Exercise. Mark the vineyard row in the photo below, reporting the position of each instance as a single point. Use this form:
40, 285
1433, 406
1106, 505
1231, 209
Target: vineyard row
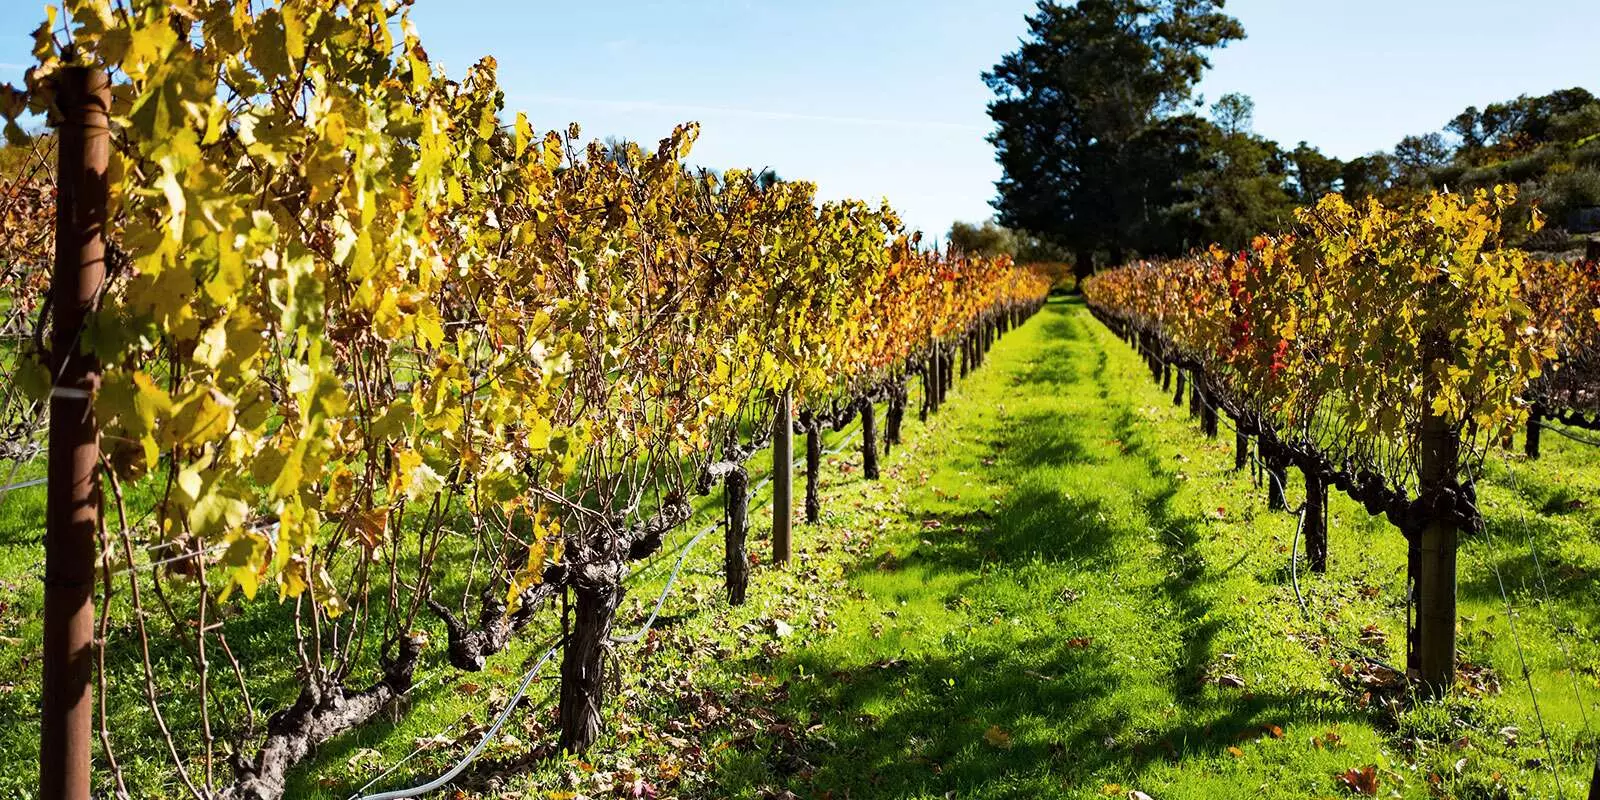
1383, 351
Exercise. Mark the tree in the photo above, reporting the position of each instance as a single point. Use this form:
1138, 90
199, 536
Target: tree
987, 239
1239, 187
1366, 176
1234, 113
1315, 174
1071, 106
1416, 156
1469, 126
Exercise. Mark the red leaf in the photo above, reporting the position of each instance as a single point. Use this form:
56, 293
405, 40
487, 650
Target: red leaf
1361, 780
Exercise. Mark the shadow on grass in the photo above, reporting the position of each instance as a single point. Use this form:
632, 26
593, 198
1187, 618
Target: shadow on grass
967, 720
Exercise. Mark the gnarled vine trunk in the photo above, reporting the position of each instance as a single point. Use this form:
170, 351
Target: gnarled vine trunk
869, 441
321, 712
1277, 475
1530, 443
1316, 521
583, 695
895, 415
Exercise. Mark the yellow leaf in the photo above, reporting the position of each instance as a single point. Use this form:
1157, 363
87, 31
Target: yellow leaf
205, 416
997, 737
522, 134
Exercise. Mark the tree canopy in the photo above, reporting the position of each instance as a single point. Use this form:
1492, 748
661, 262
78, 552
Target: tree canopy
1090, 130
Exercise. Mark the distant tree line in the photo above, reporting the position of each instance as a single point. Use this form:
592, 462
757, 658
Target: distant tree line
1107, 154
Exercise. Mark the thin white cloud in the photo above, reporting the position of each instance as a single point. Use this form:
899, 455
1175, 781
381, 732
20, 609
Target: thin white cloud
752, 113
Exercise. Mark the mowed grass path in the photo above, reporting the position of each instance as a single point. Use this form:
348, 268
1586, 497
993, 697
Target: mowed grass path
1081, 599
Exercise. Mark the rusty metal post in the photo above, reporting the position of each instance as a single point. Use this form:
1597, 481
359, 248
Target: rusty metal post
72, 515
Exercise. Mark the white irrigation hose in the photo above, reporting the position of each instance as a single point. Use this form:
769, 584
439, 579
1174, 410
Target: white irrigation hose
671, 579
1294, 562
4, 490
472, 755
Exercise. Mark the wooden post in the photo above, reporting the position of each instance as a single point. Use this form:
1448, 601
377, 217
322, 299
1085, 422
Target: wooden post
1530, 442
1241, 446
1435, 570
813, 428
1177, 396
1594, 781
926, 373
949, 373
72, 515
782, 480
735, 530
1431, 560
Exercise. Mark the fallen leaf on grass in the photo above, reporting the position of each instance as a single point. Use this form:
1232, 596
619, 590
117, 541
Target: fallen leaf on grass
1372, 636
996, 737
1361, 780
433, 742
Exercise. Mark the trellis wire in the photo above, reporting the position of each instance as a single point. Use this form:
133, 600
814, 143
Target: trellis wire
1573, 436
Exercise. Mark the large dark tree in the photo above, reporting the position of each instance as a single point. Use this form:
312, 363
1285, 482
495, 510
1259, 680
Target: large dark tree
1080, 107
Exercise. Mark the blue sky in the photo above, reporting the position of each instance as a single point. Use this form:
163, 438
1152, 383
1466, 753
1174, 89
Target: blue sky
882, 98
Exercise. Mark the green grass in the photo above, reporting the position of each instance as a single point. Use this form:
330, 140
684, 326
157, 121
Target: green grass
1055, 591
